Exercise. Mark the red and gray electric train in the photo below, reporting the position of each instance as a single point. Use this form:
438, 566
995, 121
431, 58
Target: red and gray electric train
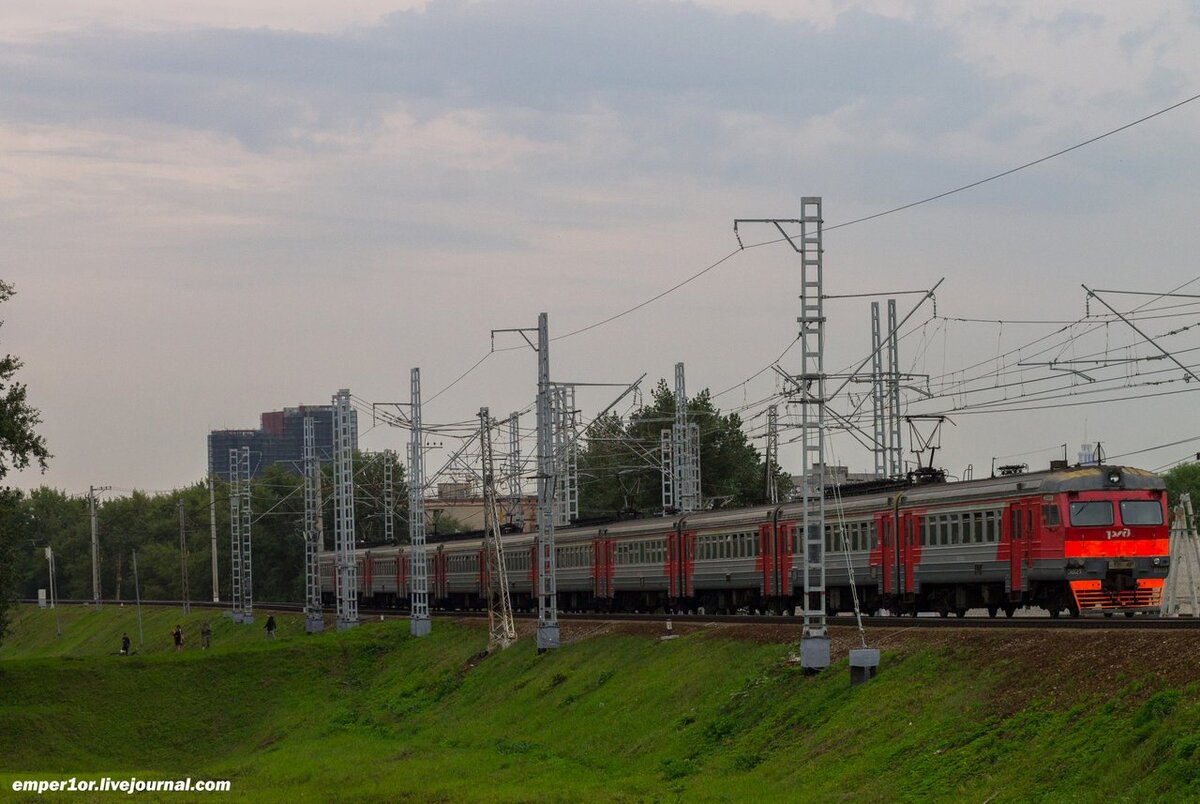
1091, 538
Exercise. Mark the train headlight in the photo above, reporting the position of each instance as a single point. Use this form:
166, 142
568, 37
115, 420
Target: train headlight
1114, 477
1074, 563
1162, 561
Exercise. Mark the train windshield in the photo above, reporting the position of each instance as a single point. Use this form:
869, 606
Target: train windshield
1098, 512
1141, 512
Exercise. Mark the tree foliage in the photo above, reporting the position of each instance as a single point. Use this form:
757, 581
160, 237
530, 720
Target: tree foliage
1184, 478
20, 445
619, 464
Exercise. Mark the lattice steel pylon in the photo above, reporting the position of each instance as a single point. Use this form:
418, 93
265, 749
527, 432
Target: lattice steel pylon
343, 503
389, 501
247, 515
680, 447
419, 623
771, 459
513, 514
314, 617
502, 631
547, 484
185, 592
547, 574
878, 398
814, 644
235, 537
1182, 587
566, 455
895, 451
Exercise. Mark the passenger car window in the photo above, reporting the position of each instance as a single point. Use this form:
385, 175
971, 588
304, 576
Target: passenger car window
1141, 512
1085, 514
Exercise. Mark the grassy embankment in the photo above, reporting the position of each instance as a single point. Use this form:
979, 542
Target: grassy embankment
374, 714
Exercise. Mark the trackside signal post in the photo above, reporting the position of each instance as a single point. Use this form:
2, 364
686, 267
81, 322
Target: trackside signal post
547, 587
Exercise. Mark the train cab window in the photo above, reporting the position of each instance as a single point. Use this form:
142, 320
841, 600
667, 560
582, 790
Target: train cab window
1141, 512
1050, 517
1091, 513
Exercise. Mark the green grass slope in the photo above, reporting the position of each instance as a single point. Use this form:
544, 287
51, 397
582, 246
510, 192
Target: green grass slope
373, 714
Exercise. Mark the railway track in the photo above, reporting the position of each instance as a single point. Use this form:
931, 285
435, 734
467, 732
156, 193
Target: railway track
980, 620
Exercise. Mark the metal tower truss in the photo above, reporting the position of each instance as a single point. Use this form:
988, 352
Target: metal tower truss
389, 500
566, 455
343, 503
895, 452
811, 397
235, 537
513, 515
183, 563
772, 456
546, 570
502, 631
419, 624
878, 398
1182, 587
681, 455
667, 449
247, 517
314, 620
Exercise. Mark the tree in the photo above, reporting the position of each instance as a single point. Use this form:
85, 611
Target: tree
20, 445
1184, 478
617, 468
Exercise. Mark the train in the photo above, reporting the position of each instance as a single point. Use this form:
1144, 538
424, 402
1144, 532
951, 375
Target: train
1071, 540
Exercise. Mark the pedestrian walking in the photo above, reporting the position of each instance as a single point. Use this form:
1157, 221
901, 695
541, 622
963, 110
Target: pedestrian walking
124, 644
205, 635
178, 635
270, 626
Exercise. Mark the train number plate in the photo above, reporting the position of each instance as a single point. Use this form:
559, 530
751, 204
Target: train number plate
1120, 563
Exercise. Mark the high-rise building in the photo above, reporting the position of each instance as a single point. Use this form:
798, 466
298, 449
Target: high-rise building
279, 439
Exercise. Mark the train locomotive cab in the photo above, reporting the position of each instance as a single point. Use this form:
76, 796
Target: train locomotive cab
1114, 529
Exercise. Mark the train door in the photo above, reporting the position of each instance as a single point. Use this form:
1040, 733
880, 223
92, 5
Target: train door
602, 567
766, 563
910, 551
401, 574
687, 563
884, 556
367, 576
1019, 528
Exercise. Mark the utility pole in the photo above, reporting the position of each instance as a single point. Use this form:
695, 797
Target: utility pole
895, 450
502, 631
53, 591
185, 595
343, 500
314, 618
547, 586
420, 624
92, 492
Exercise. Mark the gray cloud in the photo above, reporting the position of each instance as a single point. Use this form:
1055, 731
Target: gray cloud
270, 88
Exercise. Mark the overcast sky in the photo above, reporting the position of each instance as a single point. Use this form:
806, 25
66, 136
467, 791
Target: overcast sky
214, 209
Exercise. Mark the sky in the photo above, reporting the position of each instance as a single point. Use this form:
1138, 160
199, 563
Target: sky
214, 209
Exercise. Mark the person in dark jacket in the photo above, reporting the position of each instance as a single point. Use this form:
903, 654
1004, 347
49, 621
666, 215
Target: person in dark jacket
270, 626
124, 644
178, 635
